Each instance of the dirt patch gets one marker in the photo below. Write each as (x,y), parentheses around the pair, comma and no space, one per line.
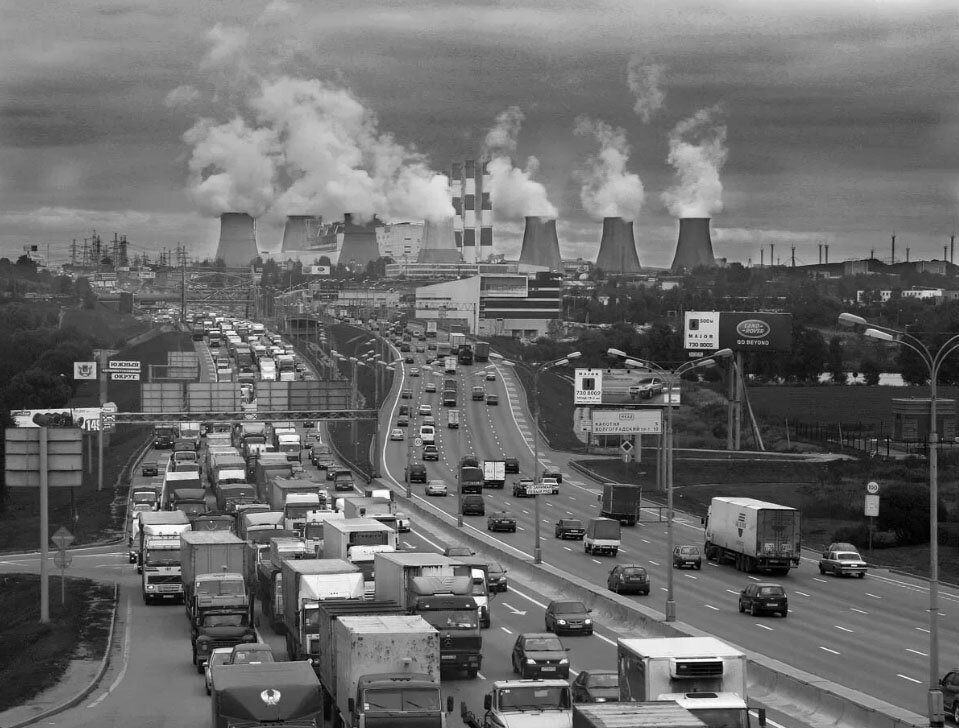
(34,656)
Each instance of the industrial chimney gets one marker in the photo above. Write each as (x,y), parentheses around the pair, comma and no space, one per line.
(617,249)
(237,246)
(359,242)
(439,243)
(695,248)
(301,232)
(540,244)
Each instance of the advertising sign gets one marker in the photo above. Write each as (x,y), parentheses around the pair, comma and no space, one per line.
(635,387)
(319,270)
(737,330)
(627,422)
(85,418)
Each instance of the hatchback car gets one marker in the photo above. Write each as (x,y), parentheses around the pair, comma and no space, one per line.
(396,434)
(511,465)
(691,556)
(540,654)
(568,616)
(437,487)
(490,376)
(219,656)
(416,473)
(492,399)
(842,563)
(596,686)
(764,597)
(626,578)
(403,421)
(496,577)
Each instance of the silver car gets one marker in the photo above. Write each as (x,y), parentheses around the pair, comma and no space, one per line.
(842,563)
(219,656)
(437,487)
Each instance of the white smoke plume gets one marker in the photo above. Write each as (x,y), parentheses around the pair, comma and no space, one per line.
(227,44)
(514,193)
(697,150)
(645,81)
(608,189)
(298,146)
(181,96)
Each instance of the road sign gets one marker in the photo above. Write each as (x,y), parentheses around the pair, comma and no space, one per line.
(626,446)
(118,365)
(872,506)
(125,376)
(626,421)
(62,559)
(872,488)
(62,538)
(539,489)
(418,442)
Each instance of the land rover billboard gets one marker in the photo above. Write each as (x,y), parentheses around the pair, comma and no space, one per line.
(706,331)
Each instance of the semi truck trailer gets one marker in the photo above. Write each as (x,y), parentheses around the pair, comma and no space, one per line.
(753,535)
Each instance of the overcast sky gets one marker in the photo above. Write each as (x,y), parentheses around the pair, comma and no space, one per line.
(787,122)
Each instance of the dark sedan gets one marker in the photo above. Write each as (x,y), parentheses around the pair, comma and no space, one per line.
(596,686)
(764,598)
(568,616)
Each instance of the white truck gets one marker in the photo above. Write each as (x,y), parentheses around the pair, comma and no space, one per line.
(657,714)
(159,558)
(384,670)
(702,674)
(603,536)
(314,529)
(494,474)
(380,509)
(305,583)
(174,481)
(449,364)
(297,508)
(525,704)
(753,535)
(288,441)
(358,540)
(267,369)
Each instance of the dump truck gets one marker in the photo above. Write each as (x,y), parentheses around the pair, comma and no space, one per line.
(602,536)
(159,556)
(753,535)
(656,714)
(440,590)
(494,474)
(275,693)
(307,582)
(384,671)
(702,674)
(524,704)
(358,540)
(380,509)
(621,502)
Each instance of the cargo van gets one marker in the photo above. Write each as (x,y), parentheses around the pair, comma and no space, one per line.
(428,434)
(602,536)
(453,420)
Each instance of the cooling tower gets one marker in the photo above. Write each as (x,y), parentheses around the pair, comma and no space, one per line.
(439,243)
(237,246)
(359,242)
(695,248)
(301,232)
(617,249)
(540,244)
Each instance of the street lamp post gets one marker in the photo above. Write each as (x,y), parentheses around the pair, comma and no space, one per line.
(933,363)
(672,379)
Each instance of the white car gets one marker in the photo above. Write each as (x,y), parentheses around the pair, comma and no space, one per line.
(490,376)
(397,434)
(437,487)
(414,372)
(219,656)
(430,387)
(425,409)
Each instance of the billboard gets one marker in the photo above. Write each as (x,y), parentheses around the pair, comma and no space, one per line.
(86,418)
(634,387)
(318,270)
(626,422)
(737,330)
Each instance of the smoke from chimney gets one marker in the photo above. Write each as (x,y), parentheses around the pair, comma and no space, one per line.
(540,243)
(697,150)
(644,79)
(617,248)
(513,191)
(237,246)
(608,189)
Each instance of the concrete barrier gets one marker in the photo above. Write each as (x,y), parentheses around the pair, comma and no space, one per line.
(817,702)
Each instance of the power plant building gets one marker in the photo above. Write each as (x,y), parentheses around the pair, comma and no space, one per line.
(617,248)
(237,245)
(472,210)
(495,304)
(694,249)
(540,244)
(400,240)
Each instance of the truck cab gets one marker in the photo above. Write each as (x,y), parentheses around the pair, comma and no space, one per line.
(524,704)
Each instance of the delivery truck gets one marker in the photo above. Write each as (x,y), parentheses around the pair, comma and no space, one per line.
(211,564)
(753,535)
(494,474)
(380,509)
(307,582)
(525,704)
(702,674)
(481,352)
(384,671)
(358,540)
(174,481)
(159,557)
(602,536)
(272,693)
(621,502)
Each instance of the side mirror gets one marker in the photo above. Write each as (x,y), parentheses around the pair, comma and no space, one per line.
(487,702)
(449,703)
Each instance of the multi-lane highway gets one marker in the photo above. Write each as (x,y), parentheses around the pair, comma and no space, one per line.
(870,635)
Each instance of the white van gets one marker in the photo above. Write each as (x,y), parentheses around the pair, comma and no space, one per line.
(428,434)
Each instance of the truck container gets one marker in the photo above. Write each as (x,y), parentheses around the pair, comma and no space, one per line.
(380,509)
(281,487)
(464,354)
(320,636)
(172,482)
(621,502)
(702,674)
(481,351)
(494,474)
(274,693)
(656,714)
(269,575)
(266,467)
(453,418)
(307,582)
(259,521)
(191,431)
(298,506)
(449,364)
(358,540)
(159,554)
(440,590)
(314,530)
(471,479)
(386,672)
(602,536)
(206,557)
(753,535)
(456,341)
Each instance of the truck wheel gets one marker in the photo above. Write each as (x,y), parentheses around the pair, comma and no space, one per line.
(586,547)
(613,552)
(472,672)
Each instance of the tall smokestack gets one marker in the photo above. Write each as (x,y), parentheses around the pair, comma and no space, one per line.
(469,211)
(617,249)
(893,261)
(540,244)
(359,242)
(486,214)
(456,191)
(694,248)
(301,232)
(237,246)
(439,243)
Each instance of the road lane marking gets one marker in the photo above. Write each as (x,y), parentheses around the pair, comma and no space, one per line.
(860,611)
(826,649)
(844,629)
(506,630)
(874,596)
(765,627)
(597,561)
(910,679)
(917,652)
(480,675)
(802,594)
(126,656)
(710,606)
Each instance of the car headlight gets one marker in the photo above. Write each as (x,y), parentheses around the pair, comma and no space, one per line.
(564,661)
(587,621)
(151,587)
(202,641)
(530,661)
(599,700)
(560,621)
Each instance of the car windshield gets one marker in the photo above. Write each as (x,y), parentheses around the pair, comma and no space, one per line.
(770,591)
(219,658)
(689,550)
(245,657)
(449,619)
(494,568)
(603,680)
(534,698)
(570,608)
(573,524)
(544,644)
(224,620)
(410,699)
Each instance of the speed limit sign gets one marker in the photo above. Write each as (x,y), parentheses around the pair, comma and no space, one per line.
(872,488)
(418,442)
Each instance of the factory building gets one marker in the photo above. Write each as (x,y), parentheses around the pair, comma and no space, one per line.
(400,241)
(495,304)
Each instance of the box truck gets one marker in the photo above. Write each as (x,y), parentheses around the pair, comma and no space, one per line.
(307,582)
(753,535)
(159,557)
(621,502)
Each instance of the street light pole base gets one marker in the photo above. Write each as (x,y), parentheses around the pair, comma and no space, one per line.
(459,522)
(537,556)
(670,610)
(936,717)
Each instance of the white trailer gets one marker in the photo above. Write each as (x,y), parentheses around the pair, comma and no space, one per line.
(358,540)
(753,535)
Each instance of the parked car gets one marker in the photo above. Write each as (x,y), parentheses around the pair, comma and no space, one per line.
(396,434)
(540,654)
(570,528)
(596,686)
(501,521)
(496,577)
(687,555)
(764,597)
(568,616)
(845,562)
(625,578)
(219,656)
(437,487)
